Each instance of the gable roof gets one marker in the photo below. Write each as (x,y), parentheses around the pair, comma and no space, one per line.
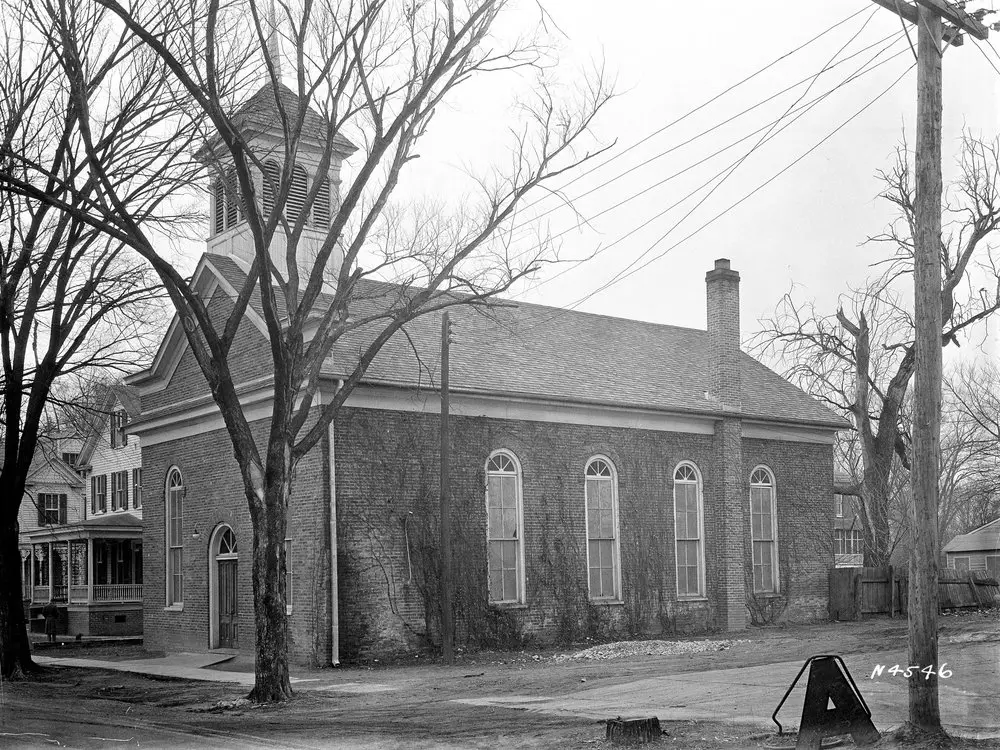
(46,468)
(125,395)
(535,351)
(986,537)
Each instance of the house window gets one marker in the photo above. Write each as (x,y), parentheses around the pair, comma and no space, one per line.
(602,529)
(119,490)
(961,563)
(175,538)
(70,458)
(993,565)
(688,532)
(838,506)
(503,528)
(288,576)
(99,493)
(763,517)
(51,508)
(119,420)
(847,541)
(136,488)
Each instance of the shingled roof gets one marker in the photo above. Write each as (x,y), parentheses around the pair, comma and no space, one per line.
(535,351)
(259,115)
(983,539)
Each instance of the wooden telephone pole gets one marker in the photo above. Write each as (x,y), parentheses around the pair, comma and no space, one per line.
(929,16)
(447,627)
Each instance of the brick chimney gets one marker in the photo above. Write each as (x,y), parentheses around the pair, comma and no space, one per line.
(723,285)
(729,507)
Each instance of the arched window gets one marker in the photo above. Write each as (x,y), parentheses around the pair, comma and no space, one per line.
(269,186)
(321,206)
(763,531)
(175,538)
(505,552)
(297,192)
(601,490)
(689,531)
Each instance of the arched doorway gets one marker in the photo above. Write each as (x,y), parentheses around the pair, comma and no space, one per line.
(223,597)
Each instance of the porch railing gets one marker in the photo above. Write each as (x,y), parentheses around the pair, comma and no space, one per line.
(118,592)
(78,594)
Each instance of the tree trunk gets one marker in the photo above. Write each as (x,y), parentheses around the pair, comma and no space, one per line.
(271,681)
(15,650)
(923,688)
(875,490)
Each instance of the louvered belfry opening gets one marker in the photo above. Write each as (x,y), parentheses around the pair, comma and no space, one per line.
(321,206)
(272,173)
(297,195)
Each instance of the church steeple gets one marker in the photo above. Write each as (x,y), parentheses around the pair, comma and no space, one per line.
(262,125)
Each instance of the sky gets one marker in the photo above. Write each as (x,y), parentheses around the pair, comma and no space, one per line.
(806,227)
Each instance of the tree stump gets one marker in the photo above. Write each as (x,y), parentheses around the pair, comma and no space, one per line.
(633,731)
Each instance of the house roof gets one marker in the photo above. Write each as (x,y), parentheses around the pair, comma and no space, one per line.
(259,115)
(986,537)
(535,351)
(125,395)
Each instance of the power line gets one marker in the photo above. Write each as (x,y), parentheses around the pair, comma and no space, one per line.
(621,276)
(703,104)
(894,36)
(800,112)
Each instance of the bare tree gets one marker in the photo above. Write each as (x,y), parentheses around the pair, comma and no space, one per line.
(860,360)
(367,72)
(72,298)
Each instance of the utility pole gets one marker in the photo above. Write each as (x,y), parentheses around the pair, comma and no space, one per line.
(929,16)
(447,628)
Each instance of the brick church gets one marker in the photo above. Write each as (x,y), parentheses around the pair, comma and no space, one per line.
(610,477)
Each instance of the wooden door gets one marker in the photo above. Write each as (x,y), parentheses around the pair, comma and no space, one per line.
(228,620)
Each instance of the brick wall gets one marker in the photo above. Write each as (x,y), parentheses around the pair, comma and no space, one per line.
(387,498)
(214,497)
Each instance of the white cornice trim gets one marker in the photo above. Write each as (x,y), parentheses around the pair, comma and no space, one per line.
(788,432)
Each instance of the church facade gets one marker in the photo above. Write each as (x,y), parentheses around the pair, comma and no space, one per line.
(609,477)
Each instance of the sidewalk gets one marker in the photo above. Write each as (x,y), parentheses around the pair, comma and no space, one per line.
(188,666)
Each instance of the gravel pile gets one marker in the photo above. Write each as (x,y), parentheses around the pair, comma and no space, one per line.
(624,649)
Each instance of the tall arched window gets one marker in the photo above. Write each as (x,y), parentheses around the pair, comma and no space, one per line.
(505,553)
(763,530)
(601,492)
(175,537)
(689,531)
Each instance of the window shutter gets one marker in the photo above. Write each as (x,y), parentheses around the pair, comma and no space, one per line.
(62,509)
(124,416)
(114,429)
(93,494)
(41,510)
(124,478)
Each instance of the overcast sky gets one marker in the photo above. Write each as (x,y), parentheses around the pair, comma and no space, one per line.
(804,228)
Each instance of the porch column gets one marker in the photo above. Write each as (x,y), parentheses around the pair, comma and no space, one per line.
(90,570)
(48,546)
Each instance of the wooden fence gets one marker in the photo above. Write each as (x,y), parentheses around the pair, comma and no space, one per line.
(857,592)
